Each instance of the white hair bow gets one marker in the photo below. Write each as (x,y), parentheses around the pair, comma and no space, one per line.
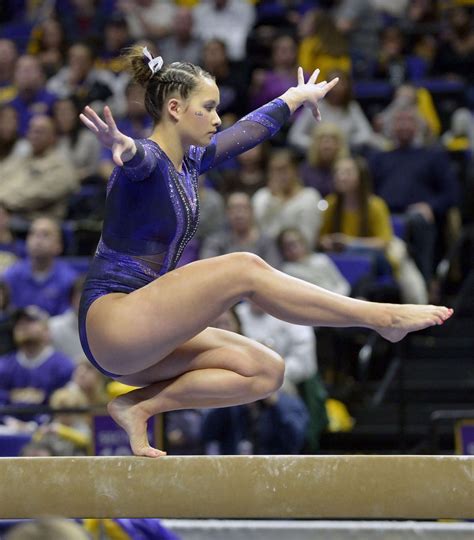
(155,64)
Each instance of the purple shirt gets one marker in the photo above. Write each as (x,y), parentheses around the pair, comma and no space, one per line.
(46,376)
(52,294)
(41,103)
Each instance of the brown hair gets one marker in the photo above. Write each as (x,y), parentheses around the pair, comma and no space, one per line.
(364,191)
(178,78)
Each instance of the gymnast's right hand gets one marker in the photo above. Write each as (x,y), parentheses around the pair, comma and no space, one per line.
(123,147)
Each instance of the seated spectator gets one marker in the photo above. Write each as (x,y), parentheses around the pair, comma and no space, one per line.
(460,135)
(90,381)
(245,173)
(80,79)
(116,37)
(455,54)
(11,145)
(281,75)
(79,144)
(64,327)
(340,108)
(11,248)
(317,268)
(48,44)
(72,431)
(42,278)
(230,78)
(30,374)
(328,144)
(41,183)
(181,45)
(285,202)
(392,61)
(228,20)
(359,221)
(148,19)
(8,58)
(33,97)
(419,183)
(418,101)
(274,425)
(242,234)
(322,45)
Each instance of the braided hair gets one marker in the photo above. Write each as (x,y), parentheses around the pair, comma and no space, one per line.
(177,78)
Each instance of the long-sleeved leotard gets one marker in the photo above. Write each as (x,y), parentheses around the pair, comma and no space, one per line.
(152,210)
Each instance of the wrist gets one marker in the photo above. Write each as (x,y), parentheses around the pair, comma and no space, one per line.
(292,98)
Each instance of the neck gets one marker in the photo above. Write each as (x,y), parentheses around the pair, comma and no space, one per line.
(5,236)
(351,200)
(167,138)
(41,265)
(32,350)
(243,234)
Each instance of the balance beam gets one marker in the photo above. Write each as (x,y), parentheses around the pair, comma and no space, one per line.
(382,487)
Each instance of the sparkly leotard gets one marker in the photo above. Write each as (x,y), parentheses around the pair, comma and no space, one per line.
(152,210)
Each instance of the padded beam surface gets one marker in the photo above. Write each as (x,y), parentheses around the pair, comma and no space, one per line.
(383,487)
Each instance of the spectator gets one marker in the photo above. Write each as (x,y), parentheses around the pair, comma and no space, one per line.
(230,78)
(116,37)
(147,18)
(79,144)
(181,45)
(42,182)
(357,220)
(228,20)
(327,145)
(361,23)
(419,183)
(82,19)
(33,97)
(11,145)
(242,235)
(48,44)
(50,527)
(80,79)
(212,217)
(455,55)
(11,248)
(30,374)
(317,268)
(8,58)
(392,61)
(285,202)
(322,45)
(64,327)
(282,73)
(339,108)
(42,278)
(90,382)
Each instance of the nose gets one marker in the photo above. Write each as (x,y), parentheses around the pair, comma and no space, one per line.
(216,120)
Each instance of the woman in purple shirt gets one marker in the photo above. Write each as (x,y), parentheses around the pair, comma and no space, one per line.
(145,323)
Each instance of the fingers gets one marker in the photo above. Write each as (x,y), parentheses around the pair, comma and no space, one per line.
(300,76)
(88,123)
(94,118)
(109,118)
(314,77)
(117,158)
(330,84)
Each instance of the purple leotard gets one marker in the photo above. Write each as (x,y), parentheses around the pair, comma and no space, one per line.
(152,210)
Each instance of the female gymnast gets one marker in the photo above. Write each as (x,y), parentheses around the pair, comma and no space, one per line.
(143,321)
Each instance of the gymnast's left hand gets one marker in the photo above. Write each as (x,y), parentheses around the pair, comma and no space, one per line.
(308,93)
(123,147)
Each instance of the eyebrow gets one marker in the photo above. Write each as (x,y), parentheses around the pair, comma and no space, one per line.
(212,102)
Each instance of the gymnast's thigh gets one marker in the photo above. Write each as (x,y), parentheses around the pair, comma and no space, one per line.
(211,348)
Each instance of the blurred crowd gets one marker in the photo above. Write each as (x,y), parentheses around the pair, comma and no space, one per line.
(375,201)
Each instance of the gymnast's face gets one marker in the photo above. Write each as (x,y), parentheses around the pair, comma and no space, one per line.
(198,121)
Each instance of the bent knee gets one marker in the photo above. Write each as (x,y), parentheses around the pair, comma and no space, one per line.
(272,373)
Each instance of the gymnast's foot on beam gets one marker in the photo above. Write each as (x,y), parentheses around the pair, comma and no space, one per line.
(409,318)
(128,415)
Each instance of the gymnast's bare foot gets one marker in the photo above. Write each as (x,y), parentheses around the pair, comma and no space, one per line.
(128,415)
(407,318)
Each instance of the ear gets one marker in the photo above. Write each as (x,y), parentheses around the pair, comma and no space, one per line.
(175,108)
